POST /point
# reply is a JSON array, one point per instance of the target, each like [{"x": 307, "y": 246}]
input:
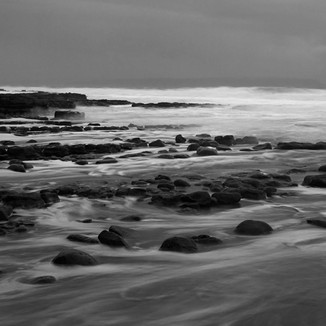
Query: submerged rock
[
  {"x": 74, "y": 257},
  {"x": 17, "y": 168},
  {"x": 205, "y": 239},
  {"x": 179, "y": 244},
  {"x": 252, "y": 227},
  {"x": 45, "y": 279},
  {"x": 131, "y": 218},
  {"x": 81, "y": 238}
]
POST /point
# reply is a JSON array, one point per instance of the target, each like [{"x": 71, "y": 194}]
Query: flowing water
[{"x": 271, "y": 280}]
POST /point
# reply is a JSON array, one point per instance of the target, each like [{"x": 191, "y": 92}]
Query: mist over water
[{"x": 274, "y": 280}]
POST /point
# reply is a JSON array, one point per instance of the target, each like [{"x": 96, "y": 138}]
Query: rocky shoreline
[{"x": 184, "y": 193}]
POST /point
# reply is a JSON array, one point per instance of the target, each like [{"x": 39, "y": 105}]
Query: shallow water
[{"x": 271, "y": 280}]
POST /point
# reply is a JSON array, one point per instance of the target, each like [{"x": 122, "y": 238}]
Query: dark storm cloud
[{"x": 96, "y": 41}]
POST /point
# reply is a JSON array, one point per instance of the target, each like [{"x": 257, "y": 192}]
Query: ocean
[{"x": 273, "y": 280}]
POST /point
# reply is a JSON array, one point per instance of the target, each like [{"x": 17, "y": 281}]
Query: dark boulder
[
  {"x": 227, "y": 198},
  {"x": 193, "y": 147},
  {"x": 112, "y": 239},
  {"x": 227, "y": 140},
  {"x": 17, "y": 168},
  {"x": 322, "y": 168},
  {"x": 74, "y": 257},
  {"x": 81, "y": 238},
  {"x": 204, "y": 239},
  {"x": 156, "y": 143},
  {"x": 5, "y": 212},
  {"x": 254, "y": 194},
  {"x": 180, "y": 139},
  {"x": 318, "y": 181},
  {"x": 181, "y": 156},
  {"x": 251, "y": 140},
  {"x": 81, "y": 162},
  {"x": 23, "y": 200},
  {"x": 55, "y": 150},
  {"x": 49, "y": 196},
  {"x": 202, "y": 198},
  {"x": 252, "y": 227},
  {"x": 316, "y": 222},
  {"x": 181, "y": 183},
  {"x": 179, "y": 244},
  {"x": 69, "y": 115},
  {"x": 121, "y": 230},
  {"x": 131, "y": 218},
  {"x": 206, "y": 151}
]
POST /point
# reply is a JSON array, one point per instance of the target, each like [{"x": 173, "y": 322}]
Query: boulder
[
  {"x": 181, "y": 183},
  {"x": 193, "y": 147},
  {"x": 81, "y": 238},
  {"x": 156, "y": 143},
  {"x": 204, "y": 239},
  {"x": 120, "y": 230},
  {"x": 206, "y": 151},
  {"x": 180, "y": 139},
  {"x": 227, "y": 198},
  {"x": 179, "y": 244},
  {"x": 318, "y": 181},
  {"x": 251, "y": 140},
  {"x": 23, "y": 200},
  {"x": 49, "y": 196},
  {"x": 112, "y": 239},
  {"x": 181, "y": 156},
  {"x": 202, "y": 198},
  {"x": 17, "y": 168},
  {"x": 74, "y": 257},
  {"x": 227, "y": 140},
  {"x": 107, "y": 160},
  {"x": 5, "y": 212},
  {"x": 322, "y": 168},
  {"x": 316, "y": 222},
  {"x": 252, "y": 227}
]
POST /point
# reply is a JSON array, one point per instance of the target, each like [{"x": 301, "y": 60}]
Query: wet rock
[
  {"x": 202, "y": 198},
  {"x": 181, "y": 183},
  {"x": 45, "y": 279},
  {"x": 31, "y": 141},
  {"x": 282, "y": 177},
  {"x": 69, "y": 115},
  {"x": 7, "y": 142},
  {"x": 112, "y": 239},
  {"x": 180, "y": 139},
  {"x": 254, "y": 194},
  {"x": 5, "y": 212},
  {"x": 204, "y": 239},
  {"x": 131, "y": 191},
  {"x": 55, "y": 150},
  {"x": 28, "y": 166},
  {"x": 131, "y": 218},
  {"x": 259, "y": 176},
  {"x": 322, "y": 168},
  {"x": 227, "y": 140},
  {"x": 179, "y": 244},
  {"x": 252, "y": 227},
  {"x": 50, "y": 197},
  {"x": 81, "y": 238},
  {"x": 193, "y": 147},
  {"x": 74, "y": 257},
  {"x": 167, "y": 186},
  {"x": 215, "y": 186},
  {"x": 270, "y": 191},
  {"x": 299, "y": 145},
  {"x": 166, "y": 156},
  {"x": 318, "y": 181},
  {"x": 162, "y": 177},
  {"x": 81, "y": 162},
  {"x": 156, "y": 143},
  {"x": 23, "y": 200},
  {"x": 107, "y": 160},
  {"x": 262, "y": 147},
  {"x": 317, "y": 222},
  {"x": 206, "y": 151},
  {"x": 227, "y": 198},
  {"x": 17, "y": 168},
  {"x": 181, "y": 156}
]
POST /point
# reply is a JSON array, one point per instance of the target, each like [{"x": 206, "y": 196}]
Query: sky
[{"x": 162, "y": 42}]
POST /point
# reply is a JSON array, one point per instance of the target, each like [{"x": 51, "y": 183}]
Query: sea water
[{"x": 271, "y": 280}]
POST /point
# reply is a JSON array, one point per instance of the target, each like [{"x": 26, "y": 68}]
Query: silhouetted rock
[
  {"x": 322, "y": 168},
  {"x": 17, "y": 168},
  {"x": 74, "y": 257},
  {"x": 227, "y": 198},
  {"x": 120, "y": 230},
  {"x": 180, "y": 139},
  {"x": 252, "y": 227},
  {"x": 206, "y": 151},
  {"x": 252, "y": 140},
  {"x": 315, "y": 181},
  {"x": 179, "y": 244},
  {"x": 299, "y": 145},
  {"x": 181, "y": 183},
  {"x": 49, "y": 196},
  {"x": 193, "y": 147},
  {"x": 156, "y": 143},
  {"x": 227, "y": 140},
  {"x": 204, "y": 239},
  {"x": 262, "y": 147},
  {"x": 5, "y": 212},
  {"x": 23, "y": 200},
  {"x": 81, "y": 238},
  {"x": 107, "y": 160},
  {"x": 316, "y": 222},
  {"x": 112, "y": 239}
]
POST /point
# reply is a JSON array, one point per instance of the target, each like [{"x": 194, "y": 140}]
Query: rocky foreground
[{"x": 185, "y": 193}]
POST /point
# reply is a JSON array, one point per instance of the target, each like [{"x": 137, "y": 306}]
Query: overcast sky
[{"x": 98, "y": 42}]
